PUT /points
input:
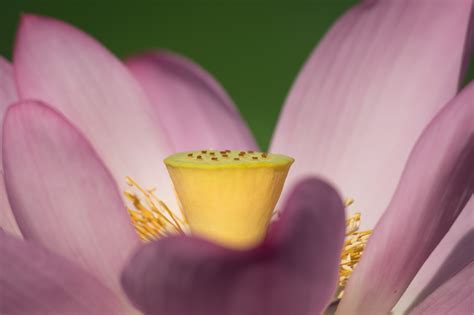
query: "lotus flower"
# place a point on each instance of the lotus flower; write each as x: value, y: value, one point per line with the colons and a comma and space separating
x: 376, y: 104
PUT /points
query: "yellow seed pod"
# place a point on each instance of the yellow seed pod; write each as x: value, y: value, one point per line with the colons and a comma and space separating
x: 228, y: 196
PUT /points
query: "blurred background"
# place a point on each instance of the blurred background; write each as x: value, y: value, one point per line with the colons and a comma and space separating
x: 255, y: 48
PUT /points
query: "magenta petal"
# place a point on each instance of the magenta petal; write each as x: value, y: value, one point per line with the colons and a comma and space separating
x: 455, y: 297
x: 62, y: 66
x: 36, y: 281
x: 7, y: 96
x: 62, y: 195
x: 452, y: 253
x: 370, y: 87
x: 294, y: 271
x: 436, y: 184
x: 193, y: 109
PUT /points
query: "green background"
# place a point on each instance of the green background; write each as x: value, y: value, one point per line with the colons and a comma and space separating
x: 254, y: 48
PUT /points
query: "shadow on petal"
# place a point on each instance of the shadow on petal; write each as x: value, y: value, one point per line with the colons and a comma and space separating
x: 452, y: 253
x: 455, y: 296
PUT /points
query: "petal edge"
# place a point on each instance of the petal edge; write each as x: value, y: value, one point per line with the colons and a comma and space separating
x: 436, y: 184
x: 62, y: 195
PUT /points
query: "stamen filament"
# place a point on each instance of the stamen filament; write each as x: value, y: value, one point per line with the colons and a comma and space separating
x: 152, y: 218
x: 353, y: 248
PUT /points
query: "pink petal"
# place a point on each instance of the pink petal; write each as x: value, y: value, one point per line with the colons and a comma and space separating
x: 435, y: 186
x: 62, y: 66
x: 36, y: 281
x: 455, y: 297
x: 454, y: 251
x: 368, y: 90
x: 193, y: 109
x: 61, y: 193
x: 294, y: 271
x: 7, y: 96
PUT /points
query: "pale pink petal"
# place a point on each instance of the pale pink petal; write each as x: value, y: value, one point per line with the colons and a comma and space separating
x: 455, y: 250
x: 368, y: 90
x: 62, y: 66
x: 294, y: 271
x: 455, y: 297
x: 62, y: 195
x: 435, y: 186
x: 193, y: 109
x: 36, y: 281
x: 7, y: 96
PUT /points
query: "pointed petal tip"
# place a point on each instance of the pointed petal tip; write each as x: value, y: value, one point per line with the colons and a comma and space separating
x: 166, y: 56
x: 28, y: 108
x: 29, y: 22
x: 181, y: 62
x: 186, y: 94
x: 65, y: 67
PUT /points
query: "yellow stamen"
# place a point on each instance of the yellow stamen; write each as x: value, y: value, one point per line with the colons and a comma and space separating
x: 151, y: 217
x: 352, y: 250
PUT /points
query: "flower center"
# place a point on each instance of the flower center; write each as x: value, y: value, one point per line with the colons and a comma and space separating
x: 228, y: 197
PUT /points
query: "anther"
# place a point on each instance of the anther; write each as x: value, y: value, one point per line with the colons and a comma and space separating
x: 236, y: 159
x: 214, y: 159
x: 199, y: 157
x: 254, y: 158
x: 353, y: 248
x: 151, y: 217
x: 204, y: 151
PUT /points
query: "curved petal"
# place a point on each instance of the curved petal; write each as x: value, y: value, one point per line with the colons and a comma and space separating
x: 454, y: 251
x: 7, y: 96
x: 62, y: 66
x: 62, y: 195
x: 456, y: 296
x: 294, y: 271
x: 36, y: 281
x: 193, y: 109
x: 368, y: 90
x: 435, y: 186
